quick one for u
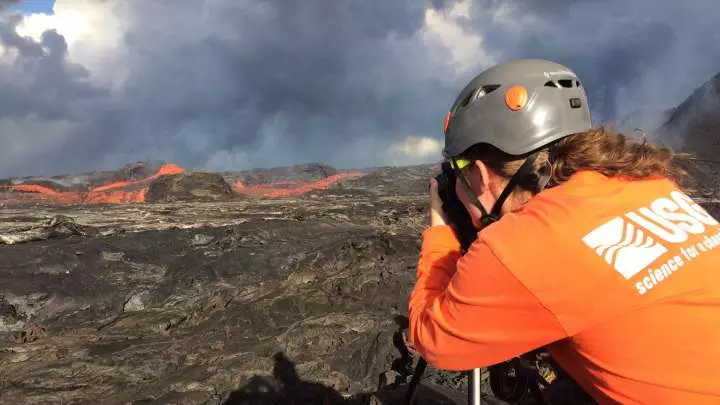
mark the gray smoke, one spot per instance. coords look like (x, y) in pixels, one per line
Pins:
(5, 3)
(637, 58)
(232, 84)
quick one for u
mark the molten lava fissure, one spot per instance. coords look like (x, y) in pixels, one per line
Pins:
(135, 190)
(118, 192)
(291, 188)
(164, 170)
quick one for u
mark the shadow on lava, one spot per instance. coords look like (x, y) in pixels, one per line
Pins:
(284, 387)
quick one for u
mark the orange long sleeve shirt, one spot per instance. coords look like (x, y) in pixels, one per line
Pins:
(619, 280)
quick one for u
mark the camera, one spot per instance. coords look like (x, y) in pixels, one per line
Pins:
(454, 210)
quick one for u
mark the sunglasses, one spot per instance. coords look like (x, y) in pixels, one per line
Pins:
(459, 164)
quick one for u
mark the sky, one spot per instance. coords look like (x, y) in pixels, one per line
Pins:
(237, 84)
(34, 6)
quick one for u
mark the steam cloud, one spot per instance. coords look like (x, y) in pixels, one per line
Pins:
(233, 84)
(5, 3)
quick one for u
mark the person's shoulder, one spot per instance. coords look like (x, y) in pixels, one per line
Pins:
(574, 244)
(558, 219)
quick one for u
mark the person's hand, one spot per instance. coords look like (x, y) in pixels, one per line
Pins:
(437, 215)
(408, 344)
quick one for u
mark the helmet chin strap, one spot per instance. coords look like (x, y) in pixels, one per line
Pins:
(494, 214)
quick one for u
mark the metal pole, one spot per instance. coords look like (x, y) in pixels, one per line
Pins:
(476, 382)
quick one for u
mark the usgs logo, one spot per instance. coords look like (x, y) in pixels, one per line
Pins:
(634, 241)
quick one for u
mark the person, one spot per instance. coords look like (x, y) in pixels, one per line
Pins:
(587, 246)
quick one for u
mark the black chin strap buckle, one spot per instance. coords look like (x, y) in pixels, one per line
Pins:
(487, 219)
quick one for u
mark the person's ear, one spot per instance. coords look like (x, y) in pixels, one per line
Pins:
(482, 169)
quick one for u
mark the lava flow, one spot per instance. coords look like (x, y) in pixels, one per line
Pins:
(118, 192)
(134, 191)
(291, 188)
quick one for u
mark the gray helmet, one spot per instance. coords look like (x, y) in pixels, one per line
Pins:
(518, 107)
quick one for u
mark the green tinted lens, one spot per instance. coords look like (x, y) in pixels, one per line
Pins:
(459, 164)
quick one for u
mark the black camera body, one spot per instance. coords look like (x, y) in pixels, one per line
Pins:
(456, 213)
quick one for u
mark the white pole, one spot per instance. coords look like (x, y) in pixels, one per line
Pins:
(476, 386)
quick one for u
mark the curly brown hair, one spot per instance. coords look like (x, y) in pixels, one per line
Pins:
(600, 149)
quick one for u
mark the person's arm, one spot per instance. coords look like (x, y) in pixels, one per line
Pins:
(471, 311)
(438, 256)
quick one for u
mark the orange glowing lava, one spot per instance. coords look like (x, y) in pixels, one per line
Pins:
(118, 192)
(291, 188)
(163, 171)
(123, 192)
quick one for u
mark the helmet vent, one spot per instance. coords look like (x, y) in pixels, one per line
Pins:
(478, 93)
(566, 83)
